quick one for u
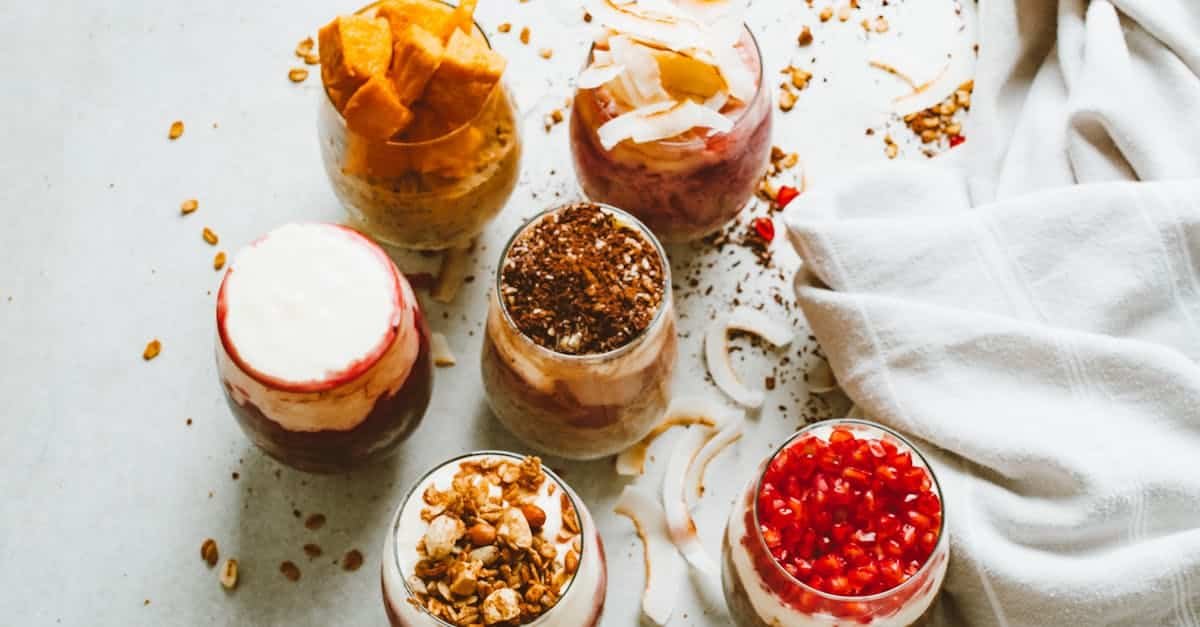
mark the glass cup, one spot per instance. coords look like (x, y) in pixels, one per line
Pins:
(432, 194)
(580, 602)
(761, 593)
(684, 187)
(349, 419)
(579, 406)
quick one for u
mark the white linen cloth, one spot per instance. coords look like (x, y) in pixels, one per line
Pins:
(1032, 315)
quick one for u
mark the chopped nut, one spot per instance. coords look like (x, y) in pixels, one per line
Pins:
(152, 350)
(464, 580)
(443, 532)
(219, 261)
(787, 99)
(514, 529)
(297, 74)
(290, 570)
(826, 13)
(481, 534)
(844, 13)
(881, 24)
(176, 130)
(500, 606)
(504, 27)
(189, 206)
(312, 58)
(305, 47)
(439, 347)
(524, 35)
(556, 115)
(486, 555)
(208, 552)
(352, 560)
(546, 53)
(229, 574)
(571, 561)
(314, 522)
(798, 76)
(806, 36)
(209, 236)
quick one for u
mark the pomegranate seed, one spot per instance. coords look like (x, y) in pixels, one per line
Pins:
(877, 449)
(864, 575)
(855, 555)
(803, 568)
(840, 435)
(888, 525)
(765, 229)
(841, 533)
(829, 565)
(902, 461)
(856, 476)
(928, 541)
(887, 473)
(928, 504)
(839, 585)
(788, 193)
(893, 548)
(908, 536)
(771, 537)
(956, 140)
(919, 520)
(916, 480)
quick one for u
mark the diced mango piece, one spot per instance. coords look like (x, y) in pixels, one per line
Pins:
(464, 81)
(353, 48)
(463, 18)
(685, 76)
(434, 17)
(415, 57)
(375, 111)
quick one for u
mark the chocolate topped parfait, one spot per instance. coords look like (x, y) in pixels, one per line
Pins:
(322, 349)
(580, 341)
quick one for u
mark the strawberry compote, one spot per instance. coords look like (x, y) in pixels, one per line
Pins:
(844, 526)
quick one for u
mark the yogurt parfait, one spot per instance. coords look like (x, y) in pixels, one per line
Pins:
(418, 133)
(493, 539)
(671, 120)
(580, 340)
(322, 349)
(844, 526)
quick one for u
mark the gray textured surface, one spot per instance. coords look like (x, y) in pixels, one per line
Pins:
(107, 495)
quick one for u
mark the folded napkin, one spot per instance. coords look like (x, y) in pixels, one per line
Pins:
(1033, 316)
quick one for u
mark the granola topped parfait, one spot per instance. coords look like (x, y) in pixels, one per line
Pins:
(418, 133)
(671, 121)
(322, 349)
(492, 538)
(580, 341)
(844, 526)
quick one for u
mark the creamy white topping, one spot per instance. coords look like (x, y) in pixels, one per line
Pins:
(307, 301)
(583, 591)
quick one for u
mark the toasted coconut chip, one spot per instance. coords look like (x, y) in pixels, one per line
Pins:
(716, 351)
(680, 523)
(820, 379)
(661, 24)
(923, 95)
(597, 75)
(440, 348)
(730, 433)
(654, 123)
(664, 567)
(452, 274)
(742, 83)
(640, 84)
(683, 411)
(718, 101)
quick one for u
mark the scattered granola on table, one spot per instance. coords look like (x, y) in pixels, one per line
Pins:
(941, 120)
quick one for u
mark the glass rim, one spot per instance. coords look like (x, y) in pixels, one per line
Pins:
(496, 89)
(834, 423)
(395, 527)
(761, 87)
(666, 305)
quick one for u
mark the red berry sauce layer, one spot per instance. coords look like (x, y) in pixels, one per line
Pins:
(849, 516)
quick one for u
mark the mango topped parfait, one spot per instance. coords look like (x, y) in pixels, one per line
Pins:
(418, 132)
(671, 121)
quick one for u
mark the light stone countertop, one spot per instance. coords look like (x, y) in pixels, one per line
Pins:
(107, 493)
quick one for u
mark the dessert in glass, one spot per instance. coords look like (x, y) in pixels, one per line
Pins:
(418, 133)
(493, 538)
(671, 120)
(845, 525)
(322, 349)
(580, 340)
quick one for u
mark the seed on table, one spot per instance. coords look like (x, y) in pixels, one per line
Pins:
(189, 206)
(209, 236)
(176, 130)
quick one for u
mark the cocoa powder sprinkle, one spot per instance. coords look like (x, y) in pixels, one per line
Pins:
(581, 282)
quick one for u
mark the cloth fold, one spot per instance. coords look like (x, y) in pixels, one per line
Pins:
(1032, 314)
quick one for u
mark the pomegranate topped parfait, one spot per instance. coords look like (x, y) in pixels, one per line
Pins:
(671, 120)
(322, 349)
(844, 526)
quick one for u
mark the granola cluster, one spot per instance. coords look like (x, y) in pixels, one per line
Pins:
(484, 560)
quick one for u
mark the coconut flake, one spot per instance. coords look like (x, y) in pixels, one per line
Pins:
(664, 567)
(682, 412)
(742, 83)
(820, 379)
(597, 75)
(730, 433)
(439, 347)
(452, 274)
(680, 523)
(716, 351)
(656, 122)
(668, 28)
(640, 84)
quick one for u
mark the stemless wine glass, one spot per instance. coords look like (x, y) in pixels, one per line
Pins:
(430, 193)
(686, 186)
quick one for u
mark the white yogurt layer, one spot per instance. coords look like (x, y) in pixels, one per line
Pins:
(772, 610)
(307, 301)
(400, 556)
